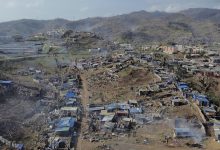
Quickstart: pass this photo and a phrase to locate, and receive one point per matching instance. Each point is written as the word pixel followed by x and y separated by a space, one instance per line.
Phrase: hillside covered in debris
pixel 144 80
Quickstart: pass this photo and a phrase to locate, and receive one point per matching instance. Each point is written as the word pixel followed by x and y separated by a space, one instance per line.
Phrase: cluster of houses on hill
pixel 197 59
pixel 199 100
pixel 63 121
pixel 192 50
pixel 118 117
pixel 169 83
pixel 124 116
pixel 63 109
pixel 207 109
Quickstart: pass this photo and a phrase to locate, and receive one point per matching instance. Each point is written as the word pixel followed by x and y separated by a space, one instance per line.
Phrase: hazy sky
pixel 78 9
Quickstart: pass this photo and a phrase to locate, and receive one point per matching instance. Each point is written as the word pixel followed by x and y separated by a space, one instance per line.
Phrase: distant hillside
pixel 203 14
pixel 28 27
pixel 196 24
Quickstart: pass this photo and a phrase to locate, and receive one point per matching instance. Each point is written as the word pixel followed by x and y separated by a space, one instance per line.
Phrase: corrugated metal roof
pixel 63 129
pixel 135 110
pixel 69 108
pixel 108 118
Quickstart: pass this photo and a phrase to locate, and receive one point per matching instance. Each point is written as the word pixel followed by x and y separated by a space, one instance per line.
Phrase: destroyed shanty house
pixel 169 49
pixel 55 80
pixel 201 100
pixel 209 71
pixel 212 53
pixel 64 126
pixel 46 102
pixel 69 84
pixel 197 50
pixel 133 103
pixel 71 102
pixel 38 78
pixel 142 119
pixel 108 118
pixel 58 143
pixel 135 110
pixel 210 112
pixel 69 111
pixel 102 52
pixel 156 88
pixel 189 129
pixel 214 60
pixel 70 94
pixel 172 49
pixel 163 75
pixel 147 58
pixel 96 109
pixel 104 113
pixel 20 147
pixel 192 55
pixel 6 83
pixel 182 133
pixel 30 71
pixel 191 68
pixel 108 126
pixel 117 106
pixel 122 113
pixel 167 84
pixel 217 130
pixel 177 101
pixel 95 50
pixel 114 117
pixel 10 144
pixel 153 88
pixel 194 50
pixel 126 46
pixel 143 92
pixel 118 125
pixel 182 86
pixel 112 107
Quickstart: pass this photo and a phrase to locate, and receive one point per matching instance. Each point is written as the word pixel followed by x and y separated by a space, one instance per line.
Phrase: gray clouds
pixel 78 9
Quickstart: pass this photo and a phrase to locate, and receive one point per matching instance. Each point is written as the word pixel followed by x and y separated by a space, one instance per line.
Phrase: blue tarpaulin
pixel 203 100
pixel 70 94
pixel 20 147
pixel 182 86
pixel 66 122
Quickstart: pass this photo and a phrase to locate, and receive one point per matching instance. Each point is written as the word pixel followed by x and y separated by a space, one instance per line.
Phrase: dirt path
pixel 84 100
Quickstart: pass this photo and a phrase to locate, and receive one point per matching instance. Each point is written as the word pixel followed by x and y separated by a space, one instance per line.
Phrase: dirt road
pixel 84 101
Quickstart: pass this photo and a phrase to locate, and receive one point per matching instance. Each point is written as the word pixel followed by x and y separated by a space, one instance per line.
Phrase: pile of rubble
pixel 115 119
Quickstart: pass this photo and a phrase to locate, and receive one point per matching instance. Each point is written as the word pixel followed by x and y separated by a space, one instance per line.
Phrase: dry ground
pixel 153 132
pixel 103 89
